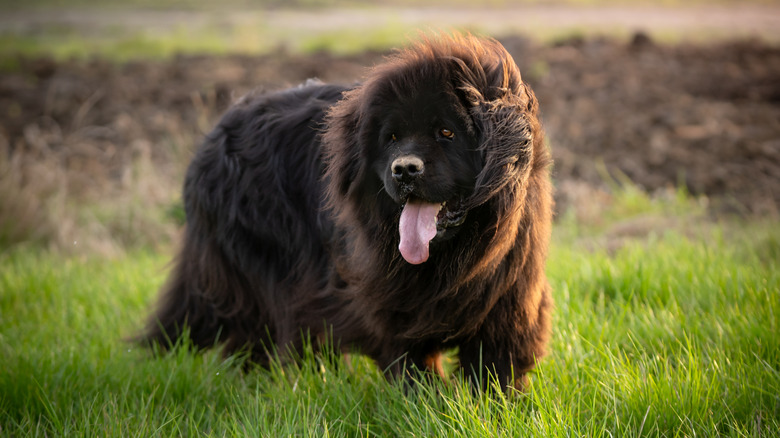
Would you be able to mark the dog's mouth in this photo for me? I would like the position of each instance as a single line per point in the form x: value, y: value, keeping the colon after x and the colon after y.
x: 451, y: 214
x: 423, y: 221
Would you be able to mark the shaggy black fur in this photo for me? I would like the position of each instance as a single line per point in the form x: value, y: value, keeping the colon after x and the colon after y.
x: 294, y: 202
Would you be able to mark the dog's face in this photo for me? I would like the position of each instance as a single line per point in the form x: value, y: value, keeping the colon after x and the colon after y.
x: 439, y: 130
x: 426, y: 156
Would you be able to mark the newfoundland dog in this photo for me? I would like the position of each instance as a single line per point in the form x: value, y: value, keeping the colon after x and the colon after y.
x: 399, y: 218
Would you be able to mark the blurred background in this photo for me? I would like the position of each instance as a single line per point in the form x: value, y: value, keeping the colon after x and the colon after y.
x: 102, y: 103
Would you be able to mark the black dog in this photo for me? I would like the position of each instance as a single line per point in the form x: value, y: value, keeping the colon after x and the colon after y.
x: 405, y: 216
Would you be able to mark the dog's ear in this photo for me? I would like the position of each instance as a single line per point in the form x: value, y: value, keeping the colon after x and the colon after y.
x: 507, y: 128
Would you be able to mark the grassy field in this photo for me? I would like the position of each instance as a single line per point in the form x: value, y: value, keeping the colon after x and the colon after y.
x: 145, y: 29
x: 663, y: 330
x: 666, y: 320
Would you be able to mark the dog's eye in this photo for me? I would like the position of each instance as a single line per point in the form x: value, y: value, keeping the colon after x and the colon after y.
x: 392, y: 137
x: 446, y: 133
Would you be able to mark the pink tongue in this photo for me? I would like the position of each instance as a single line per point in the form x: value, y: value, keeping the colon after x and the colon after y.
x: 417, y: 227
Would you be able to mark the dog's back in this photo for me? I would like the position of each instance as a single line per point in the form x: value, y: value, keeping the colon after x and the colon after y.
x: 256, y: 232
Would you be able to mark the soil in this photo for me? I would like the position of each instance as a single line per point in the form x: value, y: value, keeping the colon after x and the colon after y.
x: 705, y: 117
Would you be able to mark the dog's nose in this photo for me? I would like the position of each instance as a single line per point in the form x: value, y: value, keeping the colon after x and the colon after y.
x: 406, y: 168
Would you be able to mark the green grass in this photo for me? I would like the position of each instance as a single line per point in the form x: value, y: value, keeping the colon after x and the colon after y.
x: 119, y: 45
x: 260, y: 37
x: 138, y: 29
x: 673, y: 333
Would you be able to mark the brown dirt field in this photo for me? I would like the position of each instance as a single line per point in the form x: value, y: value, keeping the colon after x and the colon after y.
x: 703, y: 116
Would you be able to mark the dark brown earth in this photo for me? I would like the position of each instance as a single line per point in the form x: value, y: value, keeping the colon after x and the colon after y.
x: 705, y: 117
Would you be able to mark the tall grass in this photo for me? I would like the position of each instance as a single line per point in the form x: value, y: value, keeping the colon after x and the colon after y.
x: 672, y: 333
x: 96, y: 187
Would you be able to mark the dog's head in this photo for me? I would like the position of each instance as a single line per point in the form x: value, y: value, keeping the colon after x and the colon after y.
x: 436, y: 131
